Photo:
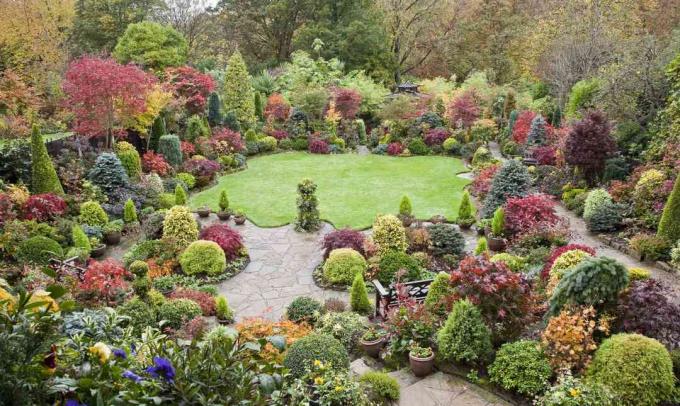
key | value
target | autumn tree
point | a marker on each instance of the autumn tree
(19, 103)
(589, 144)
(464, 109)
(277, 108)
(105, 96)
(152, 46)
(347, 102)
(238, 92)
(191, 86)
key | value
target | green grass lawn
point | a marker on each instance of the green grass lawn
(352, 188)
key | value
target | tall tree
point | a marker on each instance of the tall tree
(238, 92)
(44, 177)
(152, 46)
(191, 18)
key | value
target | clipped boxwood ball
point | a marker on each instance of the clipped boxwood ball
(303, 352)
(522, 367)
(304, 309)
(38, 250)
(637, 369)
(203, 257)
(342, 265)
(178, 312)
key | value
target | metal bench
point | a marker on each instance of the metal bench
(388, 298)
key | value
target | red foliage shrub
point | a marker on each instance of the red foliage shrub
(194, 329)
(106, 279)
(436, 136)
(202, 167)
(226, 237)
(482, 181)
(277, 108)
(44, 207)
(205, 300)
(520, 129)
(556, 252)
(190, 85)
(589, 144)
(226, 141)
(503, 297)
(525, 213)
(395, 148)
(153, 162)
(279, 134)
(545, 155)
(347, 102)
(318, 146)
(464, 109)
(188, 149)
(343, 238)
(7, 212)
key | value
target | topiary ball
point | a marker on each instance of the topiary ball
(395, 261)
(521, 366)
(203, 257)
(38, 250)
(178, 312)
(140, 313)
(303, 352)
(92, 214)
(446, 239)
(304, 309)
(342, 265)
(637, 369)
(382, 388)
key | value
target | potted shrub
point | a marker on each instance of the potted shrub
(421, 360)
(222, 311)
(225, 211)
(496, 240)
(98, 249)
(203, 211)
(372, 341)
(482, 226)
(465, 217)
(406, 211)
(113, 232)
(239, 217)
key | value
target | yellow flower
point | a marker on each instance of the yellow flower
(102, 351)
(317, 363)
(318, 380)
(339, 388)
(574, 392)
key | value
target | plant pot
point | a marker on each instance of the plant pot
(98, 251)
(224, 322)
(406, 220)
(421, 366)
(496, 243)
(465, 226)
(372, 348)
(112, 238)
(481, 231)
(239, 220)
(203, 213)
(223, 215)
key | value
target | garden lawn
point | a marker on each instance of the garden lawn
(352, 189)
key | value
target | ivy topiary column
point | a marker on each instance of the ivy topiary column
(308, 212)
(169, 147)
(157, 131)
(669, 226)
(44, 177)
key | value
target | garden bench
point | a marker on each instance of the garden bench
(388, 298)
(66, 267)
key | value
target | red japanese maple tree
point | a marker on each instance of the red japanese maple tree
(464, 109)
(105, 278)
(520, 130)
(104, 95)
(277, 108)
(347, 102)
(190, 85)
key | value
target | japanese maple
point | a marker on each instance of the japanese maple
(525, 213)
(43, 207)
(105, 96)
(106, 279)
(277, 108)
(347, 102)
(464, 109)
(436, 136)
(226, 237)
(190, 85)
(153, 162)
(520, 130)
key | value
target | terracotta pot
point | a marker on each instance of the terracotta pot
(465, 226)
(406, 220)
(223, 215)
(239, 220)
(421, 366)
(496, 244)
(98, 251)
(203, 213)
(112, 238)
(372, 348)
(481, 231)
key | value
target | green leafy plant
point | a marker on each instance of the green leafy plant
(180, 196)
(92, 214)
(346, 327)
(322, 347)
(498, 222)
(178, 312)
(342, 265)
(203, 257)
(44, 177)
(464, 337)
(224, 201)
(522, 367)
(80, 239)
(382, 388)
(669, 225)
(393, 262)
(304, 309)
(405, 207)
(465, 216)
(482, 246)
(571, 391)
(179, 225)
(129, 212)
(129, 158)
(222, 309)
(389, 234)
(440, 289)
(38, 250)
(359, 296)
(308, 212)
(169, 147)
(141, 314)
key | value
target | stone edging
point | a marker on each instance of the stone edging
(618, 245)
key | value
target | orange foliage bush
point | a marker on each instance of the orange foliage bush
(568, 339)
(253, 329)
(163, 269)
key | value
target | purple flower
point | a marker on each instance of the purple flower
(132, 376)
(162, 368)
(74, 402)
(119, 353)
(133, 349)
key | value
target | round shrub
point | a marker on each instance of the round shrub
(564, 263)
(343, 238)
(394, 261)
(203, 256)
(637, 369)
(108, 173)
(38, 250)
(226, 237)
(169, 147)
(179, 225)
(304, 309)
(187, 178)
(382, 388)
(445, 239)
(346, 327)
(515, 263)
(92, 214)
(594, 281)
(439, 290)
(570, 391)
(389, 234)
(165, 200)
(596, 199)
(303, 352)
(418, 147)
(342, 265)
(266, 144)
(481, 156)
(140, 313)
(178, 312)
(464, 337)
(450, 145)
(521, 367)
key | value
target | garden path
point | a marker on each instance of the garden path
(581, 235)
